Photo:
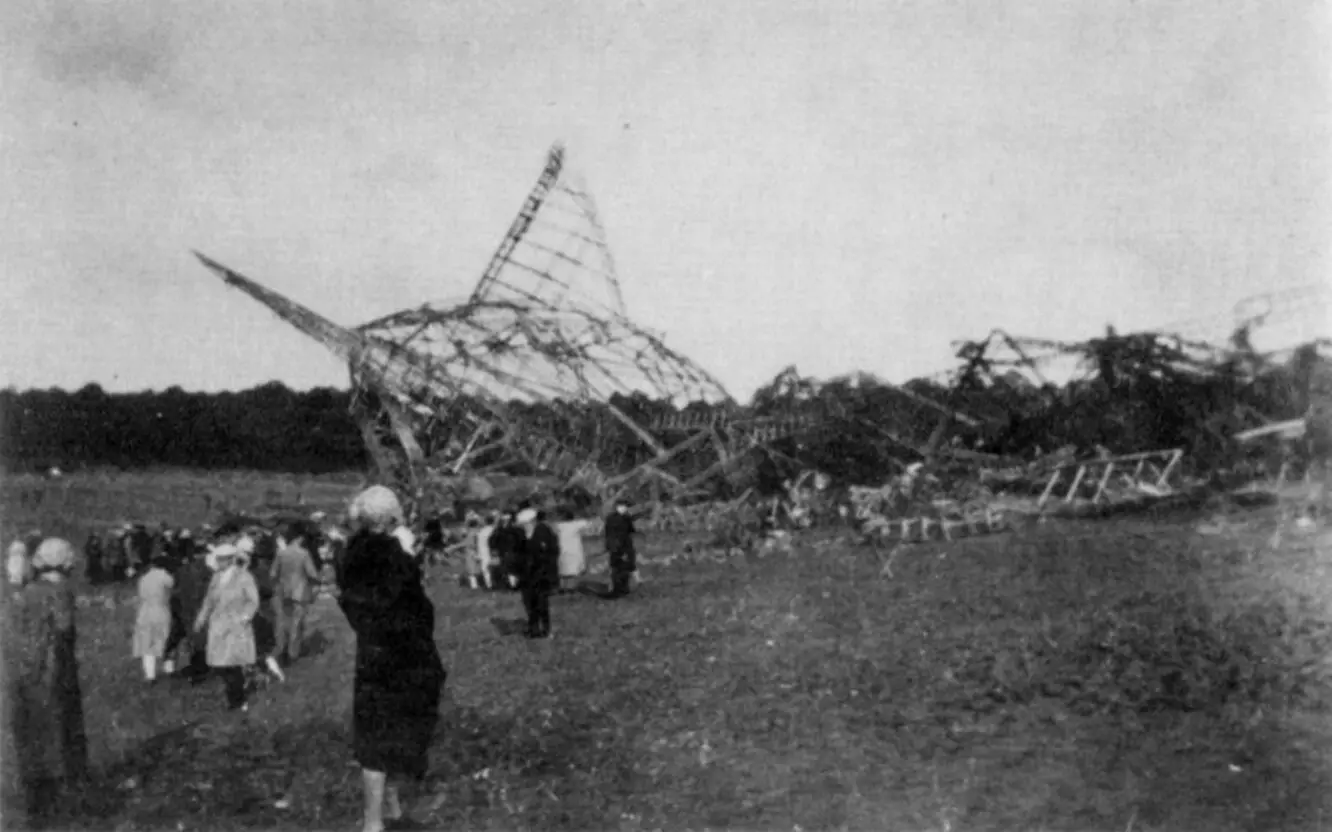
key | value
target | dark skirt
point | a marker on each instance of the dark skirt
(393, 724)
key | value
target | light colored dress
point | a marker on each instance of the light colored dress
(479, 561)
(152, 627)
(573, 561)
(16, 564)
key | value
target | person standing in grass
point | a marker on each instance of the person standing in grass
(140, 547)
(228, 614)
(506, 546)
(331, 554)
(573, 560)
(539, 572)
(113, 555)
(294, 576)
(17, 565)
(152, 626)
(433, 544)
(92, 558)
(620, 547)
(478, 556)
(43, 682)
(192, 580)
(399, 674)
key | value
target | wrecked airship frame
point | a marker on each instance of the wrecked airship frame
(541, 371)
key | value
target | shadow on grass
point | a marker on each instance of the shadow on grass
(228, 774)
(591, 588)
(555, 768)
(509, 627)
(315, 644)
(549, 770)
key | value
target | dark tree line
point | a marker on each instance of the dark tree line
(267, 428)
(1141, 393)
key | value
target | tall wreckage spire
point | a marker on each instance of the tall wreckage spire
(538, 369)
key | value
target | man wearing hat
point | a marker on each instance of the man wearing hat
(192, 579)
(506, 544)
(540, 571)
(619, 530)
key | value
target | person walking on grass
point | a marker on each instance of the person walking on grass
(153, 624)
(399, 674)
(619, 533)
(294, 576)
(265, 618)
(187, 598)
(43, 699)
(228, 614)
(539, 571)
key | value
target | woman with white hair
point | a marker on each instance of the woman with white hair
(43, 684)
(399, 674)
(228, 612)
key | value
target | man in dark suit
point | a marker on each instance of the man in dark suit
(92, 553)
(506, 544)
(192, 579)
(619, 532)
(539, 571)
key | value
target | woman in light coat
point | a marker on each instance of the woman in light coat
(573, 560)
(152, 627)
(228, 613)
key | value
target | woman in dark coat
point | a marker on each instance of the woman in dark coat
(399, 674)
(44, 692)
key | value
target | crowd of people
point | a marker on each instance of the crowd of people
(235, 600)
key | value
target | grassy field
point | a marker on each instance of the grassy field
(1127, 674)
(75, 504)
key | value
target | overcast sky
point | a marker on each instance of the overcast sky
(839, 185)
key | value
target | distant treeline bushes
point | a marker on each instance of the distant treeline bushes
(1139, 394)
(267, 428)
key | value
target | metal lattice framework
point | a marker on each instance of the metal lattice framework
(1267, 326)
(535, 370)
(540, 369)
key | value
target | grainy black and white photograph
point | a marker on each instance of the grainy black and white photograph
(910, 416)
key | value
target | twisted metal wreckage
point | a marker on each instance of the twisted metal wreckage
(540, 370)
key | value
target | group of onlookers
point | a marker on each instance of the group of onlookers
(240, 603)
(237, 602)
(128, 550)
(496, 558)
